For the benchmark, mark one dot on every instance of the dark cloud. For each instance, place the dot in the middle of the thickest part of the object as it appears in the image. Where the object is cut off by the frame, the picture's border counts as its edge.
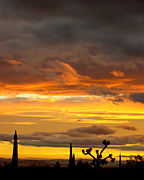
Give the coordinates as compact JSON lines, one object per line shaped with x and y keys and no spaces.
{"x":39,"y":134}
{"x":129,"y":148}
{"x":95,"y":38}
{"x":127,"y":127}
{"x":112,"y":28}
{"x":116,"y":100}
{"x":9,"y":137}
{"x":13,"y":73}
{"x":62,"y":142}
{"x":56,"y":31}
{"x":63,"y":6}
{"x":81,"y":131}
{"x":90,"y":130}
{"x":137,"y":97}
{"x":47,"y":139}
{"x":6,"y":137}
{"x":29,"y":137}
{"x":117,"y":142}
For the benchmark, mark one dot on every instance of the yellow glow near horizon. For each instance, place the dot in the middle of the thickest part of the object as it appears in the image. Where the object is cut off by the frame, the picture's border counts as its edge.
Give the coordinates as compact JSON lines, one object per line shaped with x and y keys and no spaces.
{"x":40,"y":113}
{"x":31,"y":152}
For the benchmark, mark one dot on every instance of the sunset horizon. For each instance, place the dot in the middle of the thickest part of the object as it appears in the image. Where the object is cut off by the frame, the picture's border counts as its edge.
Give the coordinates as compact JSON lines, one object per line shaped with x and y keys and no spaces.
{"x":71,"y":72}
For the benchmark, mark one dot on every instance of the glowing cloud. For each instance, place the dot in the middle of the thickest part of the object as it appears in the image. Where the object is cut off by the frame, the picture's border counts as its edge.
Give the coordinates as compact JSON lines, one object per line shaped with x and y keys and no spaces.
{"x":117,"y":73}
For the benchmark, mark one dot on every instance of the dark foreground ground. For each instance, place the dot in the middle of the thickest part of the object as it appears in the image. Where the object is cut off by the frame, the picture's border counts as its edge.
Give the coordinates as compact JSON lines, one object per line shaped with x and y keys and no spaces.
{"x":66,"y":173}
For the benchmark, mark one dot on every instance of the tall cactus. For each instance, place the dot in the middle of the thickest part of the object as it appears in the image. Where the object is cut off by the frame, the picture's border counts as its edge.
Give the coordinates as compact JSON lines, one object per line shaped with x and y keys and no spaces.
{"x":98,"y":161}
{"x":15,"y":152}
{"x":71,"y":158}
{"x":120,"y":161}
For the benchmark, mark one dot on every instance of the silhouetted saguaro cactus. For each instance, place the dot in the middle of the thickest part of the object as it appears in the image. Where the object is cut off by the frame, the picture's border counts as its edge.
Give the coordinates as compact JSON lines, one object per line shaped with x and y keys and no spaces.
{"x":120,"y":161}
{"x":98,"y":161}
{"x":15,"y":152}
{"x":71,"y":158}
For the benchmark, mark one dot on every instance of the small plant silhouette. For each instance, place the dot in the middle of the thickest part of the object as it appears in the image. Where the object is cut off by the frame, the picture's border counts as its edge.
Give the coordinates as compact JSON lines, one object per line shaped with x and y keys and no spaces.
{"x":98,"y":161}
{"x":135,"y":162}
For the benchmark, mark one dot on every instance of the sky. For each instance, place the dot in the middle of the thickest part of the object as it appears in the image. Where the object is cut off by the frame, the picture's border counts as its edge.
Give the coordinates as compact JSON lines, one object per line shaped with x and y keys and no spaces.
{"x":71,"y":71}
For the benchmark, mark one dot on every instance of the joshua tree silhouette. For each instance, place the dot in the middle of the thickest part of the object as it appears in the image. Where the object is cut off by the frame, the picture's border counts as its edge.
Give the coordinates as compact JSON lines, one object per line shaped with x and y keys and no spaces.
{"x":15,"y":152}
{"x":98,"y":161}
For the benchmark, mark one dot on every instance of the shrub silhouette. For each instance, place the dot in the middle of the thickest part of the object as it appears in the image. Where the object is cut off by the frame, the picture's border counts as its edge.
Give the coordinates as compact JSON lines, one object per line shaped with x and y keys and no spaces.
{"x":136,"y":162}
{"x":98,"y":161}
{"x":57,"y":165}
{"x":81,"y":164}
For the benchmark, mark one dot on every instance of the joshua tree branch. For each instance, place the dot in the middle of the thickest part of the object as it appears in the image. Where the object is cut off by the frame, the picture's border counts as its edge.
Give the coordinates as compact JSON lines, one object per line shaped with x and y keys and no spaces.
{"x":103,"y":149}
{"x":92,"y":156}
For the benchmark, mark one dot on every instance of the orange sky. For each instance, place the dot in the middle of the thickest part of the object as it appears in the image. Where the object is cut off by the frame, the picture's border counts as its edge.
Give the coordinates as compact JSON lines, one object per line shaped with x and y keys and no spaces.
{"x":56,"y":115}
{"x":48,"y":113}
{"x":71,"y":71}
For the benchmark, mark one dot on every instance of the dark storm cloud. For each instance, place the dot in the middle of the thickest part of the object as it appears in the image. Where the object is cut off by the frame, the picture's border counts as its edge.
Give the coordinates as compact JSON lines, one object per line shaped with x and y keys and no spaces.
{"x":56,"y":30}
{"x":137,"y":97}
{"x":54,"y":6}
{"x":113,"y":28}
{"x":93,"y":37}
{"x":106,"y":40}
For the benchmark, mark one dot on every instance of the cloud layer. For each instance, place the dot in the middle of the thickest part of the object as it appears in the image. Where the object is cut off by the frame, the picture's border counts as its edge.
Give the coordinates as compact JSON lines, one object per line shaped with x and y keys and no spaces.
{"x":90,"y":136}
{"x":90,"y":130}
{"x":72,"y":47}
